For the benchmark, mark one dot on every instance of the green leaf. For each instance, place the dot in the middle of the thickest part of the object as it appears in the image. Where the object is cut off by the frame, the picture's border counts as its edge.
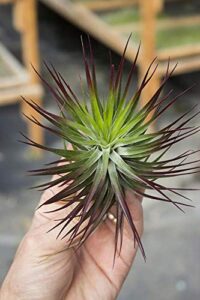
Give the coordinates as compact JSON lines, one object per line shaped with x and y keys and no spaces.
{"x":96,"y":110}
{"x":122,"y":166}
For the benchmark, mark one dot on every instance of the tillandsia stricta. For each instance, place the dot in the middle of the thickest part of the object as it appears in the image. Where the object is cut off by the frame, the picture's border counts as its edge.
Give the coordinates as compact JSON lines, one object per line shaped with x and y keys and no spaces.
{"x":112,"y":149}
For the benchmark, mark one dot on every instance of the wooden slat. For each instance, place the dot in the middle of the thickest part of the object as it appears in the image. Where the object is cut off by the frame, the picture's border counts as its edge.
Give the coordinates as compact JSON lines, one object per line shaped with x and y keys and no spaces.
{"x":148,"y":11}
{"x":177,"y":52}
{"x":79,"y":15}
{"x":179,"y":21}
{"x":9,"y":96}
{"x":6,"y":1}
{"x":13,"y":81}
{"x":10,"y":60}
{"x":168,"y":23}
{"x":103,"y":5}
{"x":19,"y":74}
{"x":184,"y":65}
{"x":27,"y":25}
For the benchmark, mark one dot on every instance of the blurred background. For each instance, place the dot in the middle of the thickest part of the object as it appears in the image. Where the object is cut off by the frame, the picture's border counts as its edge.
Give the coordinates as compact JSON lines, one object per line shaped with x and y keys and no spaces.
{"x":50,"y":30}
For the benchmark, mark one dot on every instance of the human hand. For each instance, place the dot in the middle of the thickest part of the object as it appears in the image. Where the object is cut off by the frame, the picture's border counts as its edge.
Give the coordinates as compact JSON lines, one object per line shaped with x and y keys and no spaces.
{"x":44,"y":269}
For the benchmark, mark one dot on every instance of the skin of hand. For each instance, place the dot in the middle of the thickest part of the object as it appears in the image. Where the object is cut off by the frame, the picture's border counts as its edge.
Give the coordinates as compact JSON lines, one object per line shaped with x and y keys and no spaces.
{"x":44,"y":269}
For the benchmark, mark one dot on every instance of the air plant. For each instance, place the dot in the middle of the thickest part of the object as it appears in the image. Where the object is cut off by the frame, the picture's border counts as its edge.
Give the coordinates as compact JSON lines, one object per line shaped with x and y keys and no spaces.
{"x":112,"y":149}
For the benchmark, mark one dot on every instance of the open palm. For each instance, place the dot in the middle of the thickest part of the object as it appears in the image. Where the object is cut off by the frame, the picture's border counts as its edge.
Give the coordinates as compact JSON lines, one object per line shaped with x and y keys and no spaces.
{"x":44,"y":268}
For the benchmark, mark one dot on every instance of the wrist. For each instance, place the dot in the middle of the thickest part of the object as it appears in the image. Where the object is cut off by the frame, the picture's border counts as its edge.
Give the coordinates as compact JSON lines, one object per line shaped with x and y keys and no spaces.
{"x":12,"y":286}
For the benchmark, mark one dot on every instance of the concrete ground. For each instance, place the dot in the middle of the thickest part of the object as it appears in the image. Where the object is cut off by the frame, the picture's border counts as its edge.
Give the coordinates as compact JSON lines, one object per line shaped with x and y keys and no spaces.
{"x":171,"y":239}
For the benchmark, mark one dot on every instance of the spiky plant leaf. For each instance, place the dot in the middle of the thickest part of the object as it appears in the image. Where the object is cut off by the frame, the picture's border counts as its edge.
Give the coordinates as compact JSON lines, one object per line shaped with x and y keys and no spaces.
{"x":112,"y":149}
